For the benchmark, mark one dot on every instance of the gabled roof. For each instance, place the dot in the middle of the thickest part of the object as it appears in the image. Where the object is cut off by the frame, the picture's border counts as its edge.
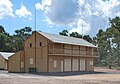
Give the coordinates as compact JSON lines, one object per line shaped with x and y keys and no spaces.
{"x":66,"y":39}
{"x":6,"y":54}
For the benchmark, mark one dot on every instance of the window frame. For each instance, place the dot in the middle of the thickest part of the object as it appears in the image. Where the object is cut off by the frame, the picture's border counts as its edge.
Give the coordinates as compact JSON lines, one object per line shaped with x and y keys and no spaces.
{"x":31,"y":60}
{"x":55,"y":63}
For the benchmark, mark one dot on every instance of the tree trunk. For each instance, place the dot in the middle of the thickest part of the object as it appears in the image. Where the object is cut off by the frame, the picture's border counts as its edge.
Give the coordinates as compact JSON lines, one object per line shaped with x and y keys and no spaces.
{"x":110,"y":66}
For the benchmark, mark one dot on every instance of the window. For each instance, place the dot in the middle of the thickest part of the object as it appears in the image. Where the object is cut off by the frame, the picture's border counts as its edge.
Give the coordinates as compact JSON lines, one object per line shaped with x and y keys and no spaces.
{"x":22,"y":64}
{"x":91,"y":63}
{"x":30,"y":44}
{"x":40,"y":43}
{"x":31,"y":60}
{"x":54,"y":63}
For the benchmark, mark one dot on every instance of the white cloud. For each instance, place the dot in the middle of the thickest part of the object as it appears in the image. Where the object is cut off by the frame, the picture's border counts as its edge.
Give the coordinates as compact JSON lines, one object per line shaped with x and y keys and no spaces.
{"x":23,"y":12}
{"x":38,"y":6}
{"x":43,"y":5}
{"x":69,"y":12}
{"x":48,"y":20}
{"x":60,"y":11}
{"x":82,"y":27}
{"x":6,"y":9}
{"x":108,"y":6}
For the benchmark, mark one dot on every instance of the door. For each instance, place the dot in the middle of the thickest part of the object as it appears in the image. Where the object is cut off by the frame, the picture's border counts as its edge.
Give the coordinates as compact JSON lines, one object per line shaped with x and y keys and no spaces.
{"x":82,"y":64}
{"x":61,"y":65}
{"x":75,"y":65}
{"x":67,"y":65}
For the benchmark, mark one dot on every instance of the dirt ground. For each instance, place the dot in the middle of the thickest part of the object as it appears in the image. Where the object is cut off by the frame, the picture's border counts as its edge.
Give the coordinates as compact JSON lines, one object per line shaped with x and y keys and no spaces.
{"x":101,"y":76}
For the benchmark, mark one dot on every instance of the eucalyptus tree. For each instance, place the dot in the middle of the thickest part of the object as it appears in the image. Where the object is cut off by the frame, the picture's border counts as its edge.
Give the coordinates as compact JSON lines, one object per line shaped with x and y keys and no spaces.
{"x":4,"y":40}
{"x":20,"y":36}
{"x":109,"y":43}
{"x":64,"y":33}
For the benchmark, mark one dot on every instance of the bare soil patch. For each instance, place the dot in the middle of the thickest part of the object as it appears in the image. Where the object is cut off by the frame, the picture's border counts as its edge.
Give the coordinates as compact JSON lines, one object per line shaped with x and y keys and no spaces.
{"x":106,"y":76}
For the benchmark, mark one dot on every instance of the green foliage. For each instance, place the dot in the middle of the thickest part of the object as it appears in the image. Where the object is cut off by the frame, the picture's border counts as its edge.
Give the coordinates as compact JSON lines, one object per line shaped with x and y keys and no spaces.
{"x":88,"y":38}
{"x":109,"y":43}
{"x":13,"y":43}
{"x":20,"y":36}
{"x":64,"y":33}
{"x":76,"y":35}
{"x":115,"y":23}
{"x":2,"y":29}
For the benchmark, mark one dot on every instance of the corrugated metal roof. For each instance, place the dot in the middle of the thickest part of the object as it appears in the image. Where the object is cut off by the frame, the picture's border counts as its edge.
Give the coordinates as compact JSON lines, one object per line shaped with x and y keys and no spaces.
{"x":6,"y":54}
{"x":66,"y":39}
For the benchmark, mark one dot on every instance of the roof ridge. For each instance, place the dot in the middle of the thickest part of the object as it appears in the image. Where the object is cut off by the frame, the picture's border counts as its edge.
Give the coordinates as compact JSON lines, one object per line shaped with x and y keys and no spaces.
{"x":6,"y":52}
{"x":62,"y":35}
{"x":66,"y":39}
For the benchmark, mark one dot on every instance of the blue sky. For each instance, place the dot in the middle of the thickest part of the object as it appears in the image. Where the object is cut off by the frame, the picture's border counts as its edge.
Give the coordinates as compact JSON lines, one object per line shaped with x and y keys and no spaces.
{"x":54,"y":16}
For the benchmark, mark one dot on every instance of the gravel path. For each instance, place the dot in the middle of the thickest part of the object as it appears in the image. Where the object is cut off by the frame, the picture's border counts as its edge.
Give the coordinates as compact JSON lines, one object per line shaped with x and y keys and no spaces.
{"x":53,"y":81}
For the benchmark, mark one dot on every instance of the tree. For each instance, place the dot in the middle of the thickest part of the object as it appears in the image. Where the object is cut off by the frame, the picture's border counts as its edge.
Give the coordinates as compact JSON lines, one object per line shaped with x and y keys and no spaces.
{"x":13,"y":43}
{"x":4,"y":40}
{"x":64,"y":33}
{"x":101,"y":42}
{"x":75,"y":34}
{"x":94,"y":40}
{"x":109,"y":43}
{"x":115,"y":23}
{"x":87,"y":38}
{"x":114,"y":32}
{"x":20,"y":36}
{"x":2,"y":29}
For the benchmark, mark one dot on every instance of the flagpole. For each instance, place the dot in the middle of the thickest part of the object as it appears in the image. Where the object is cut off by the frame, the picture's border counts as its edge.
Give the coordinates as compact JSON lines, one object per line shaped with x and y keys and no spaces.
{"x":82,"y":11}
{"x":35,"y":38}
{"x":35,"y":19}
{"x":82,"y":28}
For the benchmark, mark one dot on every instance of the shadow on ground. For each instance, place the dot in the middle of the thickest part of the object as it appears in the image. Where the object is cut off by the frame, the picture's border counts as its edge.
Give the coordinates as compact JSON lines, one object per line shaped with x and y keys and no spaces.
{"x":67,"y":73}
{"x":62,"y":74}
